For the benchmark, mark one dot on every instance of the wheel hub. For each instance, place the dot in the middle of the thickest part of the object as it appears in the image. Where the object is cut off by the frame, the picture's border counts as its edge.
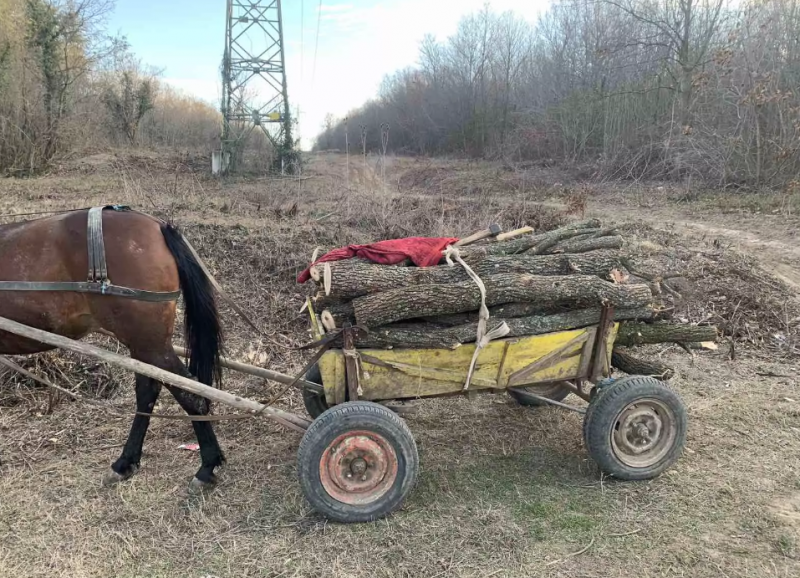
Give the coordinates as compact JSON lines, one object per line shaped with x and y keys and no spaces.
{"x":358,"y":467}
{"x":643,"y":433}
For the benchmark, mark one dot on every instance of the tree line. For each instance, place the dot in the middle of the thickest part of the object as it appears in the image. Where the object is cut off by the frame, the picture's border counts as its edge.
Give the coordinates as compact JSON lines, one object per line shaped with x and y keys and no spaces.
{"x":66,"y":85}
{"x":689,"y":89}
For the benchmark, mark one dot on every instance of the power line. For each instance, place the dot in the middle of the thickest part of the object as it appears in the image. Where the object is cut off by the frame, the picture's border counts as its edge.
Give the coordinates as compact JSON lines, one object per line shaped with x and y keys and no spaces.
{"x":316,"y":45}
{"x":302,"y":30}
{"x":302,"y":91}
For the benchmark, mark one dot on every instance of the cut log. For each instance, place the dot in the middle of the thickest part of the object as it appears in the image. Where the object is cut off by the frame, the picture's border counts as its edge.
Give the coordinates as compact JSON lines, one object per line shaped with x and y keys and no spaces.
{"x":523,"y":244}
{"x":350,"y":279}
{"x":429,"y":300}
{"x":511,"y":310}
{"x":548,"y":240}
{"x":322,"y":301}
{"x":631,"y":365}
{"x":586,"y":244}
{"x":643,"y":333}
{"x":341,"y":312}
{"x":424,"y":336}
{"x":505,"y":311}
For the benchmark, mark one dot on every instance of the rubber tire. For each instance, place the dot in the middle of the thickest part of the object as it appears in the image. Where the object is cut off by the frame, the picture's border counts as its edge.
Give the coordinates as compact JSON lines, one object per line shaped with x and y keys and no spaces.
{"x":348,"y":416}
{"x":314,"y":402}
{"x":555,"y":392}
{"x":601,"y":416}
{"x":601,"y":387}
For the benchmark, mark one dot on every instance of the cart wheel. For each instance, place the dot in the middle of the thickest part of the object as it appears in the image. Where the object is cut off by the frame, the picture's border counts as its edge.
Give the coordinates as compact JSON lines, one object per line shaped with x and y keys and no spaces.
{"x":314,"y":402}
{"x":554,"y":391}
{"x":635,"y":428}
{"x":601,"y":387}
{"x":357,"y":462}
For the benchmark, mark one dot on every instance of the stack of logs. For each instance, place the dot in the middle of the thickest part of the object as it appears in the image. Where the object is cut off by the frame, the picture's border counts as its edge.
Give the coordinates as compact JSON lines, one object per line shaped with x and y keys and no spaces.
{"x":536,"y":284}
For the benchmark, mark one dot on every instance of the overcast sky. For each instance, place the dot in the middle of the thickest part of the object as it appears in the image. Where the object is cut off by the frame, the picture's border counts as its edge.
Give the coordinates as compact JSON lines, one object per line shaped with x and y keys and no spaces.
{"x":360,"y":41}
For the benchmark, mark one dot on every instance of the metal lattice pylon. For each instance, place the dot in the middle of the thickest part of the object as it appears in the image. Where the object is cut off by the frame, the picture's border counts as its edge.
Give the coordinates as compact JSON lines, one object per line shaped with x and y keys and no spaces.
{"x":254,"y":92}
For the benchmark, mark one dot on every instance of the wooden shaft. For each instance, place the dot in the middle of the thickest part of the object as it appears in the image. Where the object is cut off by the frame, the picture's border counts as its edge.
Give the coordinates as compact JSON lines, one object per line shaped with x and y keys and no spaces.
{"x":260,"y":372}
{"x":250,"y":406}
{"x":514,"y":233}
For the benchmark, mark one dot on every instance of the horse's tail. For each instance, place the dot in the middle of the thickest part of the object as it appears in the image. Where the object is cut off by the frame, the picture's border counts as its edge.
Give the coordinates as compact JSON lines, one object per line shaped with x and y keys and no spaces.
{"x":201,"y":318}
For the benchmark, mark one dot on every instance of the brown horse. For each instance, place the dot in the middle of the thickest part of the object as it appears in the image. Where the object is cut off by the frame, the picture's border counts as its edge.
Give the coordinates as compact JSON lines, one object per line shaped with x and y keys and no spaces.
{"x":142,"y":253}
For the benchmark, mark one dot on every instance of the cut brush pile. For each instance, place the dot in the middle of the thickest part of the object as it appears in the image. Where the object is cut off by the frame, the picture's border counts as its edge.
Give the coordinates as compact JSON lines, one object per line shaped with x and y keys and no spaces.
{"x":528,"y":285}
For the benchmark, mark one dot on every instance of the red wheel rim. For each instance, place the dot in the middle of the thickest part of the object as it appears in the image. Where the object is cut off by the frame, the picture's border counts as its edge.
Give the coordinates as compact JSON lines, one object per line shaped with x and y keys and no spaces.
{"x":358,"y":467}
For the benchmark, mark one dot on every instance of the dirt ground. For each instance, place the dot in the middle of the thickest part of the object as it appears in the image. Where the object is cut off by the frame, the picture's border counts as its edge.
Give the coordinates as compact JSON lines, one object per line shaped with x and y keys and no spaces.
{"x":504,"y":491}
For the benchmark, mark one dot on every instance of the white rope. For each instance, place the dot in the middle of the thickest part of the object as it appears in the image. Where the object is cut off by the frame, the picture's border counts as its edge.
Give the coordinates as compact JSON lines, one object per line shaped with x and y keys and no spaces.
{"x":482,"y":337}
{"x":353,"y":353}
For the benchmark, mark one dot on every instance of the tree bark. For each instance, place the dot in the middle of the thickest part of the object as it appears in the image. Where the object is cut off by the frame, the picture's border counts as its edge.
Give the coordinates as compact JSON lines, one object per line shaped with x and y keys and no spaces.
{"x":587,"y":244}
{"x":642,"y":333}
{"x":322,"y":301}
{"x":505,"y":311}
{"x":350,"y":279}
{"x":342,"y":312}
{"x":430,"y":300}
{"x":423,"y":335}
{"x":631,"y":365}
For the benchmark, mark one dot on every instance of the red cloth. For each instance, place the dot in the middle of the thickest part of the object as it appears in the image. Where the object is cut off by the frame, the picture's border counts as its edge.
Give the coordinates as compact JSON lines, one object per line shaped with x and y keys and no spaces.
{"x":423,"y":251}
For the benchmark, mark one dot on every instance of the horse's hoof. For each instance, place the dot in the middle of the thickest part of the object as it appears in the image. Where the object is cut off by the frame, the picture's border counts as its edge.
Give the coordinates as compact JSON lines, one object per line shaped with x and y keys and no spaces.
{"x":112,"y":478}
{"x":198,"y":487}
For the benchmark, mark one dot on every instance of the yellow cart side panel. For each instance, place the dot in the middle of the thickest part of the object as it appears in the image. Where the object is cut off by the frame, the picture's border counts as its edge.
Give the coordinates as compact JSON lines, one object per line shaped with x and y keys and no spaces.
{"x":411,"y":373}
{"x":331,"y":368}
{"x":425,"y":372}
{"x":527,"y":350}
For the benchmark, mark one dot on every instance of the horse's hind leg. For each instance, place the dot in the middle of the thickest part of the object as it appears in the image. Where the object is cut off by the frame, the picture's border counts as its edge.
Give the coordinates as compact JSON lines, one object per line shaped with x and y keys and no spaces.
{"x":211,"y":455}
{"x":147,"y":391}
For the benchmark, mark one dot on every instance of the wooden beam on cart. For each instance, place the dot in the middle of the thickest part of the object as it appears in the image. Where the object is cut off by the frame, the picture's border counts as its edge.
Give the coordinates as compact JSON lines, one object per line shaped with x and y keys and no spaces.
{"x":247,"y":405}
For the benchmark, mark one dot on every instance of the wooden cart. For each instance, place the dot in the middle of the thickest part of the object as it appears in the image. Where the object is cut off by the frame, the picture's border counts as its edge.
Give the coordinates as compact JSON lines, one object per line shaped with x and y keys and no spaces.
{"x":358,"y":460}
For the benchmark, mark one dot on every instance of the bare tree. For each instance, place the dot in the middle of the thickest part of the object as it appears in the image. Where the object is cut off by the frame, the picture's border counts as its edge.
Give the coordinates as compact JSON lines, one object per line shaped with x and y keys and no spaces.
{"x":667,"y":88}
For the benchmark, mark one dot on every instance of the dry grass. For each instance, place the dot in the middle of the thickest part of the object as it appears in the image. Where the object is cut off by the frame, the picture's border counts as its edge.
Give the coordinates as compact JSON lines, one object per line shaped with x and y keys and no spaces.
{"x":504,"y":491}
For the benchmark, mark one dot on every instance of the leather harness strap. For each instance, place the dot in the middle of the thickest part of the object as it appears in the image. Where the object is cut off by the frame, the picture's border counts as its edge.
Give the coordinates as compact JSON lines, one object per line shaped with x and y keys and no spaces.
{"x":98,"y":282}
{"x":90,"y":287}
{"x":98,"y":270}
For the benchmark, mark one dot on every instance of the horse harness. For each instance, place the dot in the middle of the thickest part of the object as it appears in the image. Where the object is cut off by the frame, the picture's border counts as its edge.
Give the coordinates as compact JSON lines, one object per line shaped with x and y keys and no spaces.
{"x":97,"y":281}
